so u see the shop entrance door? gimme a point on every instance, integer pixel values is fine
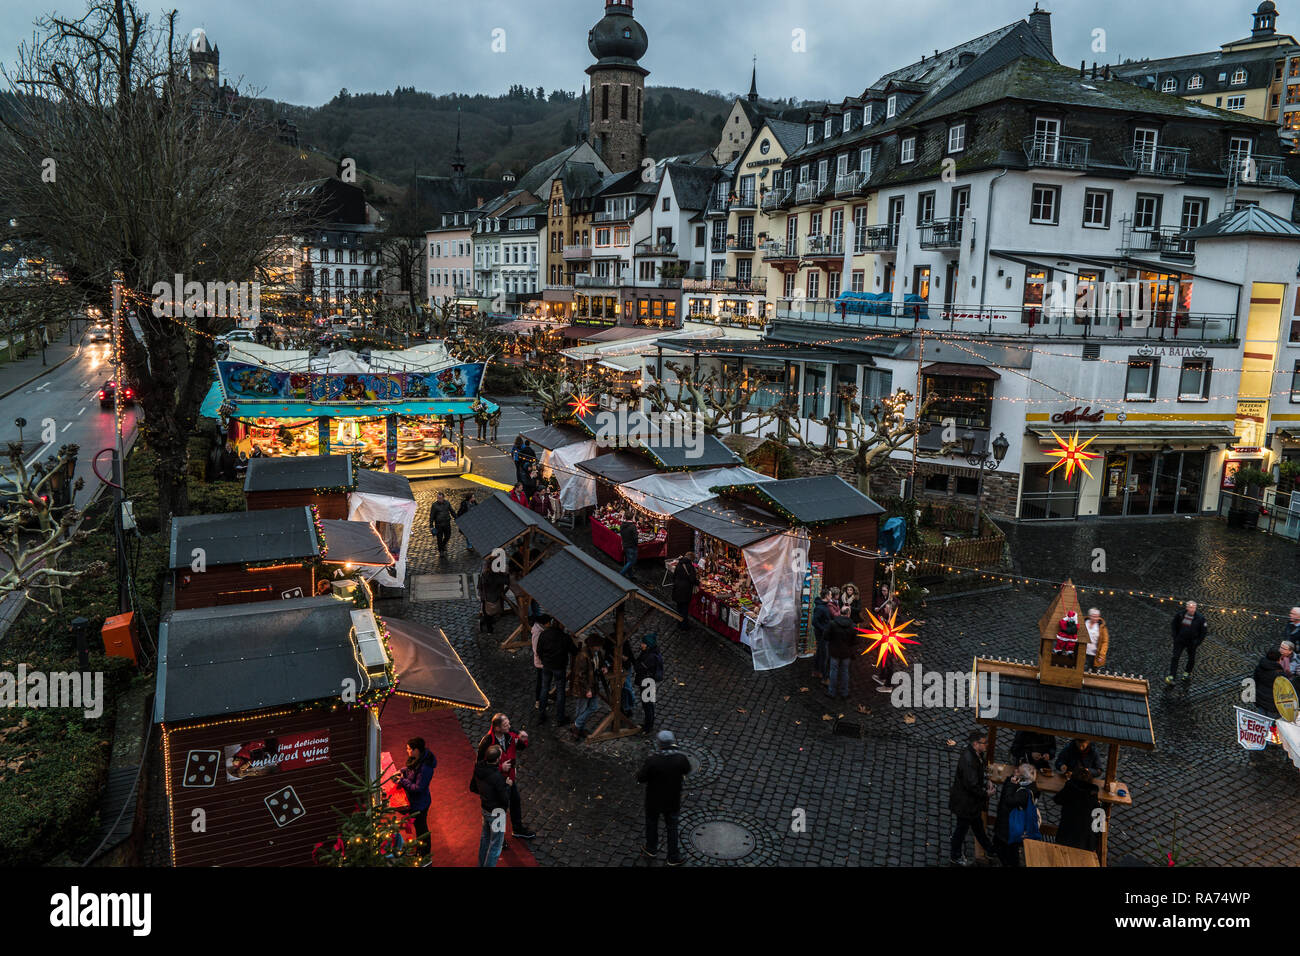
(1152, 483)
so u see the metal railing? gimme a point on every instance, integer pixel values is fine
(745, 200)
(1167, 161)
(718, 245)
(726, 284)
(941, 233)
(805, 192)
(1255, 170)
(776, 198)
(719, 203)
(1164, 241)
(823, 246)
(846, 184)
(611, 216)
(648, 248)
(741, 244)
(879, 238)
(599, 282)
(577, 251)
(1013, 321)
(777, 249)
(1057, 152)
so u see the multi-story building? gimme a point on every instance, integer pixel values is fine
(1016, 243)
(506, 247)
(568, 237)
(1252, 75)
(450, 251)
(743, 121)
(618, 42)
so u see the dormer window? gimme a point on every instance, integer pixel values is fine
(957, 138)
(848, 122)
(907, 149)
(1238, 77)
(1196, 82)
(826, 128)
(891, 107)
(866, 115)
(1169, 86)
(812, 131)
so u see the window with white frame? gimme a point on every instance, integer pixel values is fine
(891, 107)
(864, 162)
(1170, 85)
(1146, 212)
(1096, 208)
(957, 138)
(823, 170)
(1235, 103)
(848, 122)
(859, 231)
(1045, 205)
(812, 131)
(925, 208)
(858, 281)
(803, 173)
(866, 115)
(1195, 82)
(1239, 147)
(907, 149)
(841, 164)
(1140, 382)
(1145, 141)
(826, 128)
(1238, 76)
(814, 284)
(1194, 381)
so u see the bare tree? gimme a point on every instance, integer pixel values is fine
(152, 178)
(35, 528)
(718, 399)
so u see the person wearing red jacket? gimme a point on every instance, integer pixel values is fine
(510, 742)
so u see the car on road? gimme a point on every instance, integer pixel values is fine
(98, 333)
(108, 392)
(235, 335)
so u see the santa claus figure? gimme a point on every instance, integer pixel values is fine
(1067, 634)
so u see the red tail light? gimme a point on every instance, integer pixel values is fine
(129, 393)
(101, 394)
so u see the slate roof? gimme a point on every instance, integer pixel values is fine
(1258, 64)
(246, 657)
(618, 467)
(735, 523)
(551, 437)
(441, 194)
(577, 590)
(1099, 713)
(537, 177)
(790, 135)
(711, 453)
(382, 483)
(692, 184)
(498, 521)
(244, 537)
(355, 542)
(1249, 221)
(301, 472)
(815, 500)
(429, 667)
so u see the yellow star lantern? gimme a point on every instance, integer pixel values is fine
(1072, 455)
(583, 405)
(887, 638)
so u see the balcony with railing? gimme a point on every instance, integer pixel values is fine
(1167, 162)
(740, 243)
(719, 203)
(754, 286)
(612, 215)
(599, 282)
(880, 239)
(718, 245)
(781, 249)
(745, 200)
(806, 192)
(578, 251)
(846, 184)
(648, 248)
(1013, 321)
(1057, 152)
(1255, 170)
(775, 199)
(1164, 241)
(823, 246)
(941, 234)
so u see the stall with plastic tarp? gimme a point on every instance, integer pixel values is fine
(776, 566)
(387, 502)
(562, 448)
(612, 469)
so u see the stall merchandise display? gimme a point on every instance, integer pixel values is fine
(648, 531)
(726, 597)
(652, 536)
(812, 584)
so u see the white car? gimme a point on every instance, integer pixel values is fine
(236, 335)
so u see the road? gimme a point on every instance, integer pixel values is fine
(69, 396)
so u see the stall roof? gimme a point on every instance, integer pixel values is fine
(711, 454)
(354, 542)
(299, 472)
(816, 500)
(244, 537)
(246, 657)
(736, 524)
(296, 410)
(382, 483)
(1107, 708)
(577, 590)
(498, 520)
(618, 466)
(429, 667)
(551, 437)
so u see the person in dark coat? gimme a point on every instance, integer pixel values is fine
(821, 617)
(492, 589)
(969, 796)
(649, 666)
(1189, 629)
(662, 773)
(1017, 794)
(440, 520)
(415, 781)
(1078, 803)
(554, 648)
(494, 801)
(528, 482)
(509, 742)
(841, 640)
(1031, 748)
(686, 579)
(1079, 753)
(1268, 670)
(631, 538)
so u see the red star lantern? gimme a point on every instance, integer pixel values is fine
(887, 638)
(583, 405)
(1072, 455)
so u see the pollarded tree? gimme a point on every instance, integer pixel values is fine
(718, 400)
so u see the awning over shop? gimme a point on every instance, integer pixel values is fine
(671, 492)
(960, 370)
(579, 331)
(429, 667)
(1153, 432)
(621, 332)
(344, 410)
(354, 542)
(737, 524)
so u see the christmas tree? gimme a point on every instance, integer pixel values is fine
(371, 835)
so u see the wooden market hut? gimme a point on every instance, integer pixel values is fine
(262, 706)
(320, 480)
(243, 557)
(1056, 696)
(842, 523)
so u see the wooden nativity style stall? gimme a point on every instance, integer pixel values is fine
(321, 480)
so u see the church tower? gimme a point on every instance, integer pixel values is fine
(618, 86)
(205, 60)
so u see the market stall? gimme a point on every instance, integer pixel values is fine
(563, 447)
(386, 501)
(394, 410)
(352, 549)
(652, 533)
(320, 480)
(612, 469)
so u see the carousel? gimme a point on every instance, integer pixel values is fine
(401, 411)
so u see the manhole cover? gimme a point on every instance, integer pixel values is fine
(847, 728)
(723, 840)
(705, 764)
(439, 587)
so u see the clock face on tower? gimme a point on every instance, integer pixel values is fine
(211, 71)
(765, 147)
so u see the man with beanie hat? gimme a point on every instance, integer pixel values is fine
(662, 773)
(649, 666)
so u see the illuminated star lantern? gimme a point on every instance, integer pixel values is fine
(583, 405)
(1072, 455)
(887, 638)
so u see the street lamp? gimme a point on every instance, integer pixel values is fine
(984, 462)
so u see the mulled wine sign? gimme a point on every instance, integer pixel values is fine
(259, 758)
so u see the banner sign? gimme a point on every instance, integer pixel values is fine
(1255, 731)
(258, 758)
(241, 380)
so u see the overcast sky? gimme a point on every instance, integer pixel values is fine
(307, 50)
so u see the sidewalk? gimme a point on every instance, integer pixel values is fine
(16, 375)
